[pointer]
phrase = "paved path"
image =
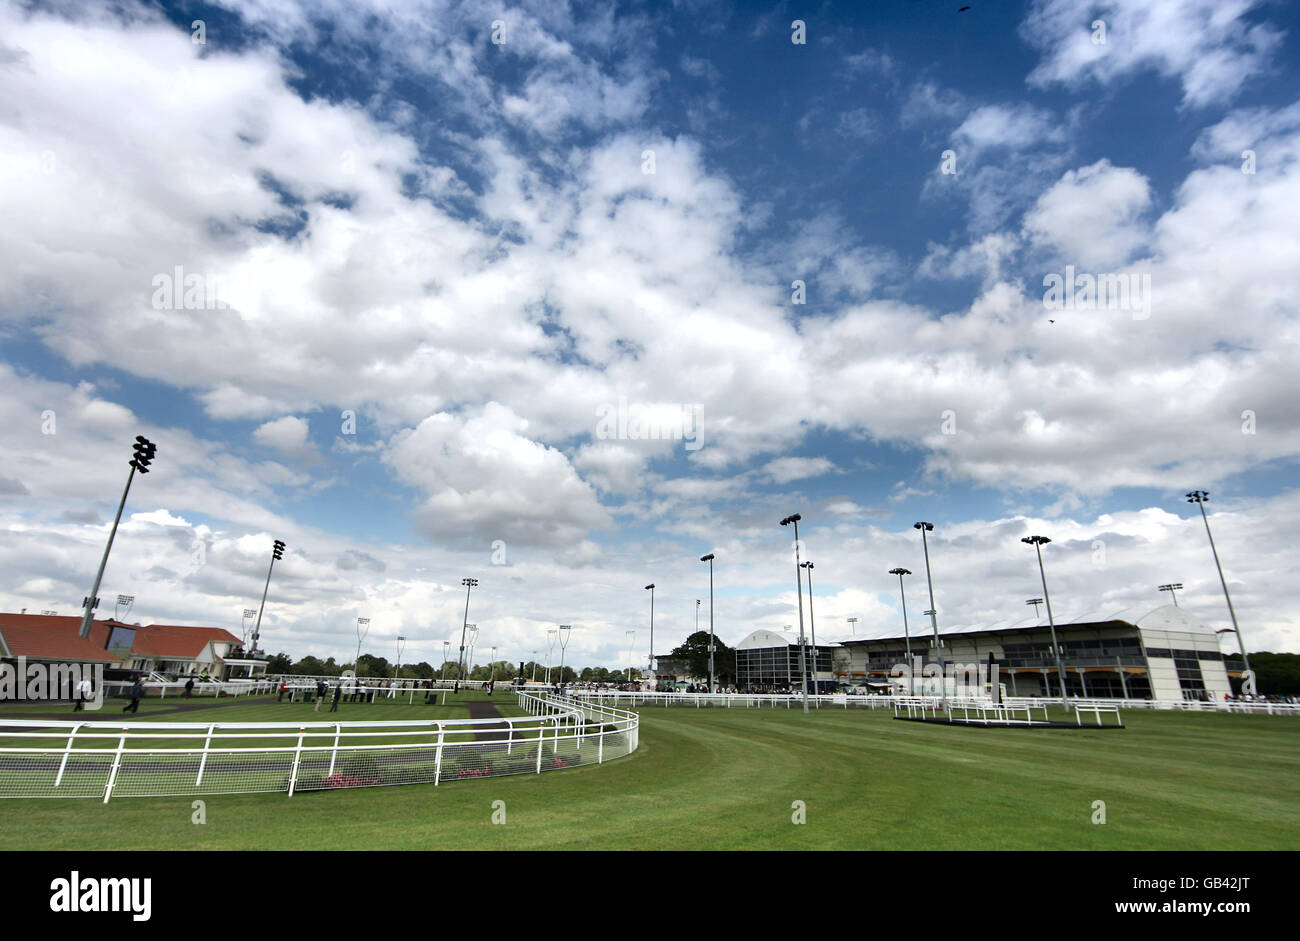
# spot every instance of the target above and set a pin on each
(112, 712)
(487, 733)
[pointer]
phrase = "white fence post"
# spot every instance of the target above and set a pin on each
(437, 763)
(338, 733)
(297, 756)
(203, 762)
(66, 750)
(117, 763)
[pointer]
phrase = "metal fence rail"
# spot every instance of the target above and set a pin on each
(866, 701)
(122, 688)
(44, 758)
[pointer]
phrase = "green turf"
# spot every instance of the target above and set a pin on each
(726, 779)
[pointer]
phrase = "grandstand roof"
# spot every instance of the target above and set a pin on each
(54, 637)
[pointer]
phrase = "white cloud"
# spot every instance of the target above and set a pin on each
(785, 469)
(486, 481)
(1209, 46)
(1092, 216)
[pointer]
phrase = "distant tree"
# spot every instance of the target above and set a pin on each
(419, 671)
(310, 666)
(280, 663)
(370, 665)
(1276, 674)
(695, 651)
(505, 670)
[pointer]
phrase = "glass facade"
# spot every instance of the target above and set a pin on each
(777, 668)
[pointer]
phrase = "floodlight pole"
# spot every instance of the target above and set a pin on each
(1038, 542)
(144, 452)
(460, 669)
(277, 549)
(651, 588)
(712, 646)
(812, 626)
(798, 578)
(1199, 497)
(564, 642)
(1173, 590)
(361, 636)
(934, 623)
(907, 637)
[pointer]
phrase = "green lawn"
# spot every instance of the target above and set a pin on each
(726, 779)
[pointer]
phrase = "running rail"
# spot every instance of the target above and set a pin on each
(54, 758)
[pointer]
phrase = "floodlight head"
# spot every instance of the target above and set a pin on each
(144, 453)
(805, 565)
(1198, 496)
(1034, 601)
(277, 550)
(650, 587)
(469, 582)
(793, 518)
(1035, 540)
(899, 571)
(707, 558)
(928, 527)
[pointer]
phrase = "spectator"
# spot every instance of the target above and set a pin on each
(283, 686)
(81, 694)
(137, 690)
(338, 691)
(189, 688)
(321, 689)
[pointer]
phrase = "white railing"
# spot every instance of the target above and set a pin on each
(1182, 705)
(177, 688)
(750, 700)
(45, 758)
(870, 701)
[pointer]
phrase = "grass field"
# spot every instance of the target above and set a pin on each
(727, 779)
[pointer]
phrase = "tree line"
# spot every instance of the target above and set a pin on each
(370, 666)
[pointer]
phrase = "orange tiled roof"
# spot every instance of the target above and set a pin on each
(51, 637)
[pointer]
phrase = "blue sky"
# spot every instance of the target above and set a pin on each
(472, 247)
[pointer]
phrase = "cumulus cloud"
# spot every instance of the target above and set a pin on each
(1092, 216)
(1211, 48)
(289, 437)
(785, 469)
(485, 480)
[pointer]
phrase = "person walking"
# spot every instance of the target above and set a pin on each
(338, 691)
(283, 686)
(137, 690)
(321, 689)
(81, 694)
